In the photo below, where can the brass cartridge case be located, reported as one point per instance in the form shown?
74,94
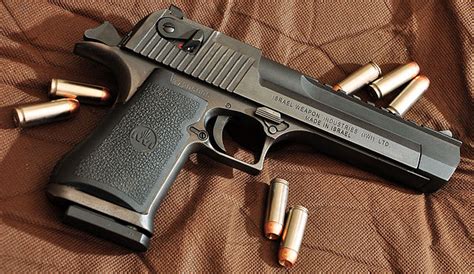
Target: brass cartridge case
363,76
37,114
292,236
394,79
276,207
405,100
84,93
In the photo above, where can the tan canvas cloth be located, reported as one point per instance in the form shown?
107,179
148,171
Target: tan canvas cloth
212,217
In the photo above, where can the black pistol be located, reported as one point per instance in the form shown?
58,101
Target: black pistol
180,84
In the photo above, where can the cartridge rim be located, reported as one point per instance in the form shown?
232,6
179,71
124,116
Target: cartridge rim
53,88
377,67
299,207
18,117
392,110
279,181
375,91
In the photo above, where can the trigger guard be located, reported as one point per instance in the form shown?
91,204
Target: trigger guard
253,169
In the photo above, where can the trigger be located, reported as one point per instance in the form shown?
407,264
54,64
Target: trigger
218,131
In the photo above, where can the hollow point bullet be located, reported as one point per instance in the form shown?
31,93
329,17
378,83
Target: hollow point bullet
276,207
359,78
394,79
413,91
42,113
292,236
84,93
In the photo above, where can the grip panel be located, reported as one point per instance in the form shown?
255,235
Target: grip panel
134,155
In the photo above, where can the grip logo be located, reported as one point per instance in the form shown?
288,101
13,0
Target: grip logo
143,139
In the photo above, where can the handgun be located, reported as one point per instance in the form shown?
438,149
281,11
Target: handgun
181,85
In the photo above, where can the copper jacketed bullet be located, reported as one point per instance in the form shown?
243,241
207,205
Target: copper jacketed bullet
276,207
292,236
37,114
359,78
405,100
85,93
394,79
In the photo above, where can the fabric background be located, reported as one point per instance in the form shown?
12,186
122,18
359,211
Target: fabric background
212,218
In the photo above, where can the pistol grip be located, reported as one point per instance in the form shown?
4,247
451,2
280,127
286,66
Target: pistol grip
132,158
